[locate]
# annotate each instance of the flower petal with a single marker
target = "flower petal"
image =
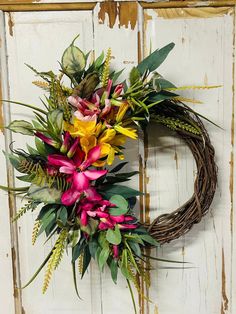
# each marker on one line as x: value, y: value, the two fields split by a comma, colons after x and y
x: 93, y: 195
x: 80, y: 181
x: 70, y: 196
x: 94, y: 174
x: 60, y: 161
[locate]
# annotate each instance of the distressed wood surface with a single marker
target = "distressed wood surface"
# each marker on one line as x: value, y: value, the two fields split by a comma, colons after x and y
x: 204, y: 54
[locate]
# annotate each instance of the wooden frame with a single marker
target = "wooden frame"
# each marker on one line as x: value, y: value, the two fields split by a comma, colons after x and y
x: 16, y: 6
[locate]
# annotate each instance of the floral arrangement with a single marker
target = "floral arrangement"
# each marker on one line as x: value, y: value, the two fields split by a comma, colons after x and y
x: 79, y: 134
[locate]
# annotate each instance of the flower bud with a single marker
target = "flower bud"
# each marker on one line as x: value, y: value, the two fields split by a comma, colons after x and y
x: 73, y: 148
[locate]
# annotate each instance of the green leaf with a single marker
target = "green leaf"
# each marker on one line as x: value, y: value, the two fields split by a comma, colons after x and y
x: 114, y: 270
x: 118, y: 167
x: 125, y: 191
x: 91, y: 226
x: 135, y: 248
x: 73, y: 60
x: 163, y: 95
x: 55, y: 121
x: 114, y: 236
x: 147, y: 238
x: 122, y: 206
x: 47, y: 222
x: 98, y: 62
x: 63, y: 215
x: 78, y: 249
x: 21, y: 126
x: 44, y: 194
x: 14, y: 160
x: 134, y: 76
x: 86, y: 260
x: 102, y: 239
x: 40, y: 147
x: 155, y: 59
x: 124, y: 265
x: 103, y: 256
x: 93, y: 246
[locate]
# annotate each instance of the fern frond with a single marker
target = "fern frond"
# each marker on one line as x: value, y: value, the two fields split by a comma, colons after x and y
x: 55, y: 258
x: 106, y: 69
x: 176, y: 124
x: 192, y: 87
x: 41, y: 84
x: 35, y: 231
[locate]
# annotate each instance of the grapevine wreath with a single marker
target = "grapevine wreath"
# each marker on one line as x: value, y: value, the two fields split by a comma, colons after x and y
x: 70, y: 181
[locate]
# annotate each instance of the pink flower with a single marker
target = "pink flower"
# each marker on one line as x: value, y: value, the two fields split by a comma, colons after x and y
x: 66, y: 143
x: 78, y: 175
x: 47, y: 139
x: 118, y: 90
x: 116, y: 251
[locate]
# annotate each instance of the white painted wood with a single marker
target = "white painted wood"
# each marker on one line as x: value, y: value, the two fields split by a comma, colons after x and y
x: 203, y: 55
x: 39, y: 39
x: 6, y: 276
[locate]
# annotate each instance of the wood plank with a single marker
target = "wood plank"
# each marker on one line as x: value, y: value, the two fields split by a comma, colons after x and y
x: 203, y: 55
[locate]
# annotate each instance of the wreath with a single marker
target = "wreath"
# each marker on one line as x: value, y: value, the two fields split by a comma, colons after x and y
x: 79, y: 196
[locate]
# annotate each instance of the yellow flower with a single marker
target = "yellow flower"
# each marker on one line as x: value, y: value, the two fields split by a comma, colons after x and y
x: 87, y: 143
x: 82, y: 127
x: 122, y: 111
x: 132, y: 133
x: 107, y: 136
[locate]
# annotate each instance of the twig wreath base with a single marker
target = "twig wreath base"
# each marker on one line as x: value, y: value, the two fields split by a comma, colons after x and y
x: 168, y: 227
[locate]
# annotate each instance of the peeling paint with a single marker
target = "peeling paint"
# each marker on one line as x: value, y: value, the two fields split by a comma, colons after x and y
x: 224, y: 301
x: 189, y: 13
x: 109, y: 8
x: 10, y: 23
x: 126, y: 12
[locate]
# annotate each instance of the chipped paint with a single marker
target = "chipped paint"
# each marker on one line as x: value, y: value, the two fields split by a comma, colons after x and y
x: 10, y: 23
x: 224, y: 300
x: 108, y: 8
x: 127, y: 13
x: 176, y: 160
x: 189, y: 13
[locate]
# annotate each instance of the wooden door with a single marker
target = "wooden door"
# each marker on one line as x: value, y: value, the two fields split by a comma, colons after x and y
x: 204, y: 34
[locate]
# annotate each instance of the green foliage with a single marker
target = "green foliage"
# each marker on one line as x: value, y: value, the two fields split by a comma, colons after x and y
x: 134, y: 76
x: 73, y: 60
x: 155, y: 59
x: 126, y: 192
x: 55, y: 258
x: 44, y: 194
x: 176, y: 124
x: 122, y: 206
x: 21, y: 126
x: 114, y: 236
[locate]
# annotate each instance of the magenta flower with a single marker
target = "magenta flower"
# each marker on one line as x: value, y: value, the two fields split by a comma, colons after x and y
x: 121, y: 221
x: 66, y: 143
x: 47, y: 139
x: 78, y: 175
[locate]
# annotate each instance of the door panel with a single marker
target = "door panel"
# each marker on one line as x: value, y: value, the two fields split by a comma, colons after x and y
x: 203, y: 55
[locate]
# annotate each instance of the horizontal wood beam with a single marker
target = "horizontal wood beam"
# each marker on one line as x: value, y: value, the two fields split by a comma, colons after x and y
x: 187, y: 4
x: 16, y: 6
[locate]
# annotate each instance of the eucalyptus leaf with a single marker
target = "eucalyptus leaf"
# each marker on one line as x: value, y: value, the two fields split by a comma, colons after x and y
x: 114, y: 236
x: 103, y: 256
